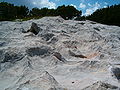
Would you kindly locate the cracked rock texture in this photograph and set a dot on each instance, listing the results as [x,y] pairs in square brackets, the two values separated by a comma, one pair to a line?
[56,54]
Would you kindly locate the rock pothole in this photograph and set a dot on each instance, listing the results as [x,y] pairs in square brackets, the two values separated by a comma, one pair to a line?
[11,56]
[39,51]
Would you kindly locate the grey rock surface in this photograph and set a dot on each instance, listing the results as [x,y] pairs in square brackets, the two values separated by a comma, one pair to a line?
[56,54]
[101,86]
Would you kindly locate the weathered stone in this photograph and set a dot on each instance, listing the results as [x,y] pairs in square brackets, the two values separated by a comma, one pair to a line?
[76,55]
[47,36]
[39,51]
[59,56]
[12,56]
[101,86]
[34,29]
[116,72]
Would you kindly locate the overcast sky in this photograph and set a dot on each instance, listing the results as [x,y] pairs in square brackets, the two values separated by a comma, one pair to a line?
[87,6]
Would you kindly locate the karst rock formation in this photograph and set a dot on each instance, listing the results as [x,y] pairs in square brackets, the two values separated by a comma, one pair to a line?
[56,54]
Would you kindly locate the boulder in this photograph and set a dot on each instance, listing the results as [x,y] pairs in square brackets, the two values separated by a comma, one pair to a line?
[116,72]
[34,29]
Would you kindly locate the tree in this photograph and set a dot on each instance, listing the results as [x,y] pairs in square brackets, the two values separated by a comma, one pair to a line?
[35,12]
[6,11]
[109,15]
[68,12]
[22,11]
[10,12]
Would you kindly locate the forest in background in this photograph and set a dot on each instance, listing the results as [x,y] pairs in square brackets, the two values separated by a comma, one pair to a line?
[10,12]
[109,15]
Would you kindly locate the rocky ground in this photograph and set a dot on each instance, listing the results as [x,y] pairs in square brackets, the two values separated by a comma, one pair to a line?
[56,54]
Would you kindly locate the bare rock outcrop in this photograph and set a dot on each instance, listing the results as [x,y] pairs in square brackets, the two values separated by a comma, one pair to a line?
[45,80]
[101,86]
[76,55]
[47,36]
[56,54]
[116,72]
[60,57]
[91,66]
[39,51]
[34,29]
[12,55]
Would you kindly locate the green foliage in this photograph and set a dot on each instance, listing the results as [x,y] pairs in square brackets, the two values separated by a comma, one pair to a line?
[109,15]
[68,12]
[6,11]
[22,11]
[10,12]
[35,12]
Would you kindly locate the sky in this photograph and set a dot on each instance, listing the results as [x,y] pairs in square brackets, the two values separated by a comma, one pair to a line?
[87,6]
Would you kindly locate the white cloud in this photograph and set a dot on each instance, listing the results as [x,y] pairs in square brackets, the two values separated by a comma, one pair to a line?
[34,3]
[82,5]
[89,5]
[105,3]
[88,11]
[105,6]
[92,8]
[73,5]
[44,3]
[96,6]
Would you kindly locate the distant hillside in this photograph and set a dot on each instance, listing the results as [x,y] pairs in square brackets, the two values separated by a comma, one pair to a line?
[109,15]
